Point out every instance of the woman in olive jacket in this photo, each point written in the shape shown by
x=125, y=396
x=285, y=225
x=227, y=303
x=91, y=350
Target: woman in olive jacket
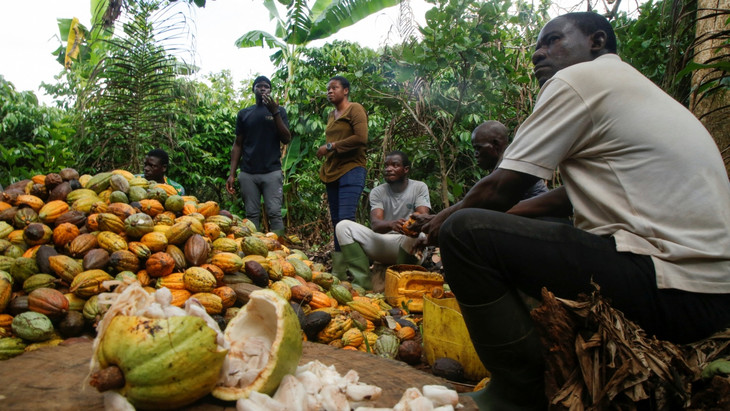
x=343, y=170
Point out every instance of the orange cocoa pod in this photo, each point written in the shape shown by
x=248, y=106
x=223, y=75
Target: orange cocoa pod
x=64, y=233
x=160, y=264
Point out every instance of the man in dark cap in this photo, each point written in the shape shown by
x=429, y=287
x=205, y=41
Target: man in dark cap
x=260, y=131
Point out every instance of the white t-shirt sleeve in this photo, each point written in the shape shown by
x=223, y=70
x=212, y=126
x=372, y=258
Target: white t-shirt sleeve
x=558, y=126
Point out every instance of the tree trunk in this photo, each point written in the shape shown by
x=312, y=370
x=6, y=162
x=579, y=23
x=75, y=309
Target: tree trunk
x=712, y=106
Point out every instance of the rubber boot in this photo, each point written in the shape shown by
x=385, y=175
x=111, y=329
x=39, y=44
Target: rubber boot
x=339, y=267
x=508, y=345
x=404, y=257
x=358, y=265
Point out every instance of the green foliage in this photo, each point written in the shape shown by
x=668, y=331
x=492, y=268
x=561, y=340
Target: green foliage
x=133, y=98
x=33, y=139
x=470, y=66
x=126, y=94
x=657, y=43
x=202, y=161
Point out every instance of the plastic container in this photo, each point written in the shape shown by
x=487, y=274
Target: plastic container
x=408, y=284
x=445, y=335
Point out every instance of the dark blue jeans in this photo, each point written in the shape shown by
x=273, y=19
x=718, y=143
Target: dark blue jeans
x=487, y=253
x=343, y=196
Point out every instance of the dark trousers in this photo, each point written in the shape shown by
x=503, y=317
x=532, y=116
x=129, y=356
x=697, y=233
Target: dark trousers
x=343, y=196
x=487, y=253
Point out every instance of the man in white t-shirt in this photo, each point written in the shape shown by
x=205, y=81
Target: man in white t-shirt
x=391, y=204
x=650, y=198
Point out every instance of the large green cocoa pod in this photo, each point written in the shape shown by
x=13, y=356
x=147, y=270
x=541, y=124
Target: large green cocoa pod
x=32, y=326
x=167, y=363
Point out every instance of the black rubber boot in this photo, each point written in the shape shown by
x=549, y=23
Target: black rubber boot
x=508, y=345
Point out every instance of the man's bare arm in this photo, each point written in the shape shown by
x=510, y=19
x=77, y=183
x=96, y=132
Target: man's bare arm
x=500, y=191
x=554, y=203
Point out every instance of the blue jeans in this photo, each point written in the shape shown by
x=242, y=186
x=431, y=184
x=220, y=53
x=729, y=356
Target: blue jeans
x=343, y=196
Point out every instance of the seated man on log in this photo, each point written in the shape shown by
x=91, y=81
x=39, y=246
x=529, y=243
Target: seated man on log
x=391, y=204
x=649, y=193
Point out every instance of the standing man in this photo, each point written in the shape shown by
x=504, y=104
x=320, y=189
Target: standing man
x=650, y=197
x=489, y=141
x=391, y=204
x=260, y=131
x=156, y=164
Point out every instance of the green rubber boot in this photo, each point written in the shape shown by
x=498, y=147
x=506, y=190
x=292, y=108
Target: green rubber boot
x=339, y=267
x=358, y=265
x=508, y=345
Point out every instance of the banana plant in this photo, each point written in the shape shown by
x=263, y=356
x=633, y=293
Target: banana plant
x=303, y=24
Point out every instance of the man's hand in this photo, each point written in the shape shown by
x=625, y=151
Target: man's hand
x=420, y=221
x=432, y=223
x=397, y=225
x=270, y=103
x=321, y=151
x=230, y=184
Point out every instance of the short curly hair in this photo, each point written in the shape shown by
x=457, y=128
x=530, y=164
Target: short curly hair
x=589, y=23
x=161, y=154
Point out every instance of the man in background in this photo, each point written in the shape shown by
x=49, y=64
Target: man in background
x=260, y=131
x=156, y=165
x=489, y=141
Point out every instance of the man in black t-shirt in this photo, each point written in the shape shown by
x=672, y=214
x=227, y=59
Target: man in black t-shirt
x=260, y=131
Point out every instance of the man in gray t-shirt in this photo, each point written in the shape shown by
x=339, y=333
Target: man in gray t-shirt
x=391, y=204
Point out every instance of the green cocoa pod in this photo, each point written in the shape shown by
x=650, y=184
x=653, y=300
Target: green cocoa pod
x=36, y=281
x=23, y=268
x=32, y=326
x=11, y=347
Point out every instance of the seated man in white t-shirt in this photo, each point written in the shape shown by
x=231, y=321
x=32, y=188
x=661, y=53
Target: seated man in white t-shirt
x=391, y=204
x=649, y=193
